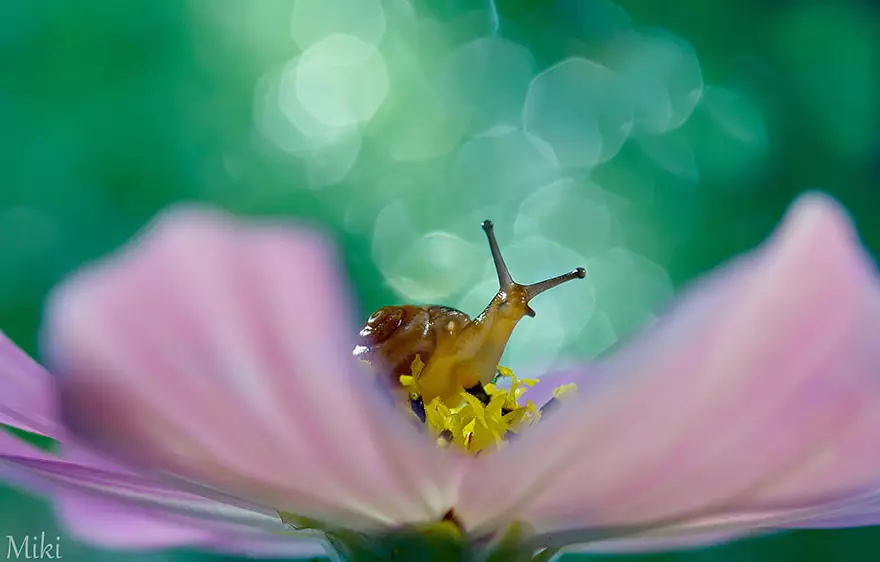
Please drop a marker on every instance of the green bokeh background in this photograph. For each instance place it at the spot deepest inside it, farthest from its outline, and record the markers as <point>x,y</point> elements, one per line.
<point>714,115</point>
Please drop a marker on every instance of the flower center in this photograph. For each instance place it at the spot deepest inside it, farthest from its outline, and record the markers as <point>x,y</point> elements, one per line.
<point>485,416</point>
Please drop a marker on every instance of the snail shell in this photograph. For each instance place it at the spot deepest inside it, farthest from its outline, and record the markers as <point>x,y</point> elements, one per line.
<point>394,335</point>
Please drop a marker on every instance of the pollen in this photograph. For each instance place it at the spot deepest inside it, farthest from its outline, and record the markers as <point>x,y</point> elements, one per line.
<point>477,423</point>
<point>565,391</point>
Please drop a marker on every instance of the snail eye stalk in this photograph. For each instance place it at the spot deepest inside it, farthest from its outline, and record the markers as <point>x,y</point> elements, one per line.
<point>506,282</point>
<point>504,278</point>
<point>536,289</point>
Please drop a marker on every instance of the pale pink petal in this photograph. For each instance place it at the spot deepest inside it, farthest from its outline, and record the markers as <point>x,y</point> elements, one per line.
<point>272,546</point>
<point>93,513</point>
<point>755,400</point>
<point>850,511</point>
<point>40,471</point>
<point>864,511</point>
<point>100,503</point>
<point>585,376</point>
<point>27,393</point>
<point>219,352</point>
<point>108,524</point>
<point>105,523</point>
<point>654,544</point>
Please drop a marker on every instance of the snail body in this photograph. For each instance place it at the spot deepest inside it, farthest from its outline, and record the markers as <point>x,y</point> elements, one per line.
<point>458,353</point>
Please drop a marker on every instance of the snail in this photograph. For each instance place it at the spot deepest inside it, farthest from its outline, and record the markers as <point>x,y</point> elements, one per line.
<point>458,353</point>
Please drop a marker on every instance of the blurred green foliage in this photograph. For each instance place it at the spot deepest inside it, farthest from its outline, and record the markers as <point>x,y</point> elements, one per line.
<point>674,140</point>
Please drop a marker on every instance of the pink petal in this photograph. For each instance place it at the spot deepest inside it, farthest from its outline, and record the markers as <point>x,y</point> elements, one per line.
<point>862,512</point>
<point>108,524</point>
<point>272,546</point>
<point>584,376</point>
<point>654,544</point>
<point>27,393</point>
<point>95,514</point>
<point>219,352</point>
<point>754,401</point>
<point>106,505</point>
<point>55,474</point>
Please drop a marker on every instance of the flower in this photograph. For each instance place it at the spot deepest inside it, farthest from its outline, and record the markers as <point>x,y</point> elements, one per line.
<point>206,384</point>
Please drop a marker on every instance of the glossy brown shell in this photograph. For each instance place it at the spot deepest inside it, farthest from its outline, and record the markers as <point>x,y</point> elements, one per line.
<point>394,335</point>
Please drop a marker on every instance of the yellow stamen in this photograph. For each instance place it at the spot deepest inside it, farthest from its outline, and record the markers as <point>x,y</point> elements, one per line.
<point>411,382</point>
<point>472,425</point>
<point>417,366</point>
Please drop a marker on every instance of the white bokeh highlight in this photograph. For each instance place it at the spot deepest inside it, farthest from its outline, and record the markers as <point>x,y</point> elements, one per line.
<point>314,20</point>
<point>630,289</point>
<point>486,80</point>
<point>421,267</point>
<point>502,166</point>
<point>661,77</point>
<point>331,163</point>
<point>424,124</point>
<point>579,108</point>
<point>281,119</point>
<point>327,153</point>
<point>341,80</point>
<point>574,213</point>
<point>672,153</point>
